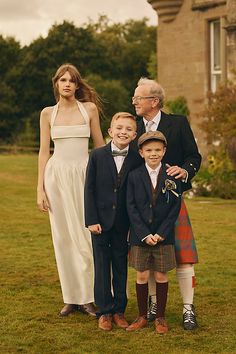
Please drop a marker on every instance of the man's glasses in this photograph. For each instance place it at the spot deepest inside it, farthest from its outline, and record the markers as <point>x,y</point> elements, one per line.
<point>140,98</point>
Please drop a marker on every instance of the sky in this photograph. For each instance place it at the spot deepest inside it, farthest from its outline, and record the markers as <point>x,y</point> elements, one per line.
<point>26,20</point>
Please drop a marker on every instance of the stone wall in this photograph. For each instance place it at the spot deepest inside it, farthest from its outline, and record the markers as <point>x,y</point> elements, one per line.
<point>183,54</point>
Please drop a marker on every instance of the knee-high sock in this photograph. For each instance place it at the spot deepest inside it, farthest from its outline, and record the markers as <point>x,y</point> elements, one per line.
<point>142,298</point>
<point>161,293</point>
<point>186,279</point>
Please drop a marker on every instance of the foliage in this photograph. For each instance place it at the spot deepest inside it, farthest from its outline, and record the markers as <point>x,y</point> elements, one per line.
<point>31,296</point>
<point>219,125</point>
<point>218,179</point>
<point>178,106</point>
<point>152,66</point>
<point>115,54</point>
<point>114,95</point>
<point>219,122</point>
<point>128,48</point>
<point>9,109</point>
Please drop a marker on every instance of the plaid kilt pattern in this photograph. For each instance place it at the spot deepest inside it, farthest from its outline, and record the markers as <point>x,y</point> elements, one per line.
<point>159,259</point>
<point>185,247</point>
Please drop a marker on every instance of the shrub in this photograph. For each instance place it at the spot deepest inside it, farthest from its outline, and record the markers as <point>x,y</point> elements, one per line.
<point>178,106</point>
<point>218,179</point>
<point>219,125</point>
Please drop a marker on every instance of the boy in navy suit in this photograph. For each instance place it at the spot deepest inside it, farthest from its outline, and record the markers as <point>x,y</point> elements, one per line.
<point>153,204</point>
<point>107,219</point>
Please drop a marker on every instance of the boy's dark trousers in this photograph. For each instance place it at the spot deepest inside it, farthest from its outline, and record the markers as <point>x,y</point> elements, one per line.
<point>110,250</point>
<point>105,204</point>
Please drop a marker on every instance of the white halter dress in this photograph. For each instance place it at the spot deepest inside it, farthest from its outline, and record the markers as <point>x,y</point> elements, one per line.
<point>64,185</point>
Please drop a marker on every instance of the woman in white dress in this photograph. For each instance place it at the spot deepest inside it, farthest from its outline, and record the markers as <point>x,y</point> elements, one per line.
<point>61,178</point>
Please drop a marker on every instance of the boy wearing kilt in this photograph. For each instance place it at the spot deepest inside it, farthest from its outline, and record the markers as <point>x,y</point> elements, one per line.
<point>184,160</point>
<point>153,205</point>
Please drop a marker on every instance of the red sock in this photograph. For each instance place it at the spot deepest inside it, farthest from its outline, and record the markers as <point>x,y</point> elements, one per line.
<point>161,292</point>
<point>142,298</point>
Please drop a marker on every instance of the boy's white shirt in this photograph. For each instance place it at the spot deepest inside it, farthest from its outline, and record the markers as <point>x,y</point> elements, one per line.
<point>153,175</point>
<point>118,159</point>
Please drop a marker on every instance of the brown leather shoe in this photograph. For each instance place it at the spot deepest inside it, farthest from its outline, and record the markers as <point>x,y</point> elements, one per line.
<point>161,325</point>
<point>105,322</point>
<point>67,309</point>
<point>120,321</point>
<point>88,309</point>
<point>140,322</point>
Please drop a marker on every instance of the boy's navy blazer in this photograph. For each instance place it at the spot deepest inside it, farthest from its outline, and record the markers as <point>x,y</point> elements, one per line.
<point>182,149</point>
<point>145,218</point>
<point>105,195</point>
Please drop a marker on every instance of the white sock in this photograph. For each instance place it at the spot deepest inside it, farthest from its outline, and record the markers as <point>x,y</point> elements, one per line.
<point>152,287</point>
<point>186,278</point>
<point>154,298</point>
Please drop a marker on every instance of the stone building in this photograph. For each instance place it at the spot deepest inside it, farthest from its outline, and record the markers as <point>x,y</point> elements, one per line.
<point>196,50</point>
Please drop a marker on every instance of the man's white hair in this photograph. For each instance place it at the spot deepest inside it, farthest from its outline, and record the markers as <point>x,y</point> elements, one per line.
<point>155,89</point>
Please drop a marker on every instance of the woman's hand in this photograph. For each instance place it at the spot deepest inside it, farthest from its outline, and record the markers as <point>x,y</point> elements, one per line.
<point>42,201</point>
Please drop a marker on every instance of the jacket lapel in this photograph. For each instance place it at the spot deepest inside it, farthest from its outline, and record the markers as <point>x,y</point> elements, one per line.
<point>164,125</point>
<point>127,166</point>
<point>111,162</point>
<point>146,180</point>
<point>162,180</point>
<point>140,126</point>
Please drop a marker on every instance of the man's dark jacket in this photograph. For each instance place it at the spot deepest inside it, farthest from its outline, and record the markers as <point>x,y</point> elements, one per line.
<point>182,149</point>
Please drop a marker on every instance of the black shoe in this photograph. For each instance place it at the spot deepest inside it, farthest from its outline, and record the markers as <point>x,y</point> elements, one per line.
<point>189,318</point>
<point>152,311</point>
<point>68,309</point>
<point>88,309</point>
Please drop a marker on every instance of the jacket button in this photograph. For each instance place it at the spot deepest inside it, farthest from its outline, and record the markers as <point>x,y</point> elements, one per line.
<point>150,221</point>
<point>150,206</point>
<point>115,190</point>
<point>113,207</point>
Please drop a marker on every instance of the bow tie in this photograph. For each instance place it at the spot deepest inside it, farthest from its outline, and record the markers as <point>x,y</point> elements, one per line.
<point>119,153</point>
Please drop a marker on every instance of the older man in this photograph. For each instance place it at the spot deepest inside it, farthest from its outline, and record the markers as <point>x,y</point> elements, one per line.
<point>184,161</point>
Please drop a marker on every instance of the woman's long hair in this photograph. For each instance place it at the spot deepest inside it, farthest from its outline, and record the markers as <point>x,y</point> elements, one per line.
<point>84,92</point>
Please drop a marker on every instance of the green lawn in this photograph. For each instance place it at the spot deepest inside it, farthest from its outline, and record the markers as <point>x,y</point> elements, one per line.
<point>30,291</point>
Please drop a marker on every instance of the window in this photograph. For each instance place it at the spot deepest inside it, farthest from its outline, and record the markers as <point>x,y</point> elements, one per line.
<point>215,54</point>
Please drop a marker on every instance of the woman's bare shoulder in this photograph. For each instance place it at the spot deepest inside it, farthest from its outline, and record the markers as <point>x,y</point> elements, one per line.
<point>90,106</point>
<point>47,110</point>
<point>46,113</point>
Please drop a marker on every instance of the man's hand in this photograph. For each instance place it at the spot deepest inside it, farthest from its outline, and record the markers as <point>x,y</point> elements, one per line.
<point>176,171</point>
<point>95,229</point>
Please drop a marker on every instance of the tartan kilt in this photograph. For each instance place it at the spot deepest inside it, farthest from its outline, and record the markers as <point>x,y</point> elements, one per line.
<point>159,258</point>
<point>185,247</point>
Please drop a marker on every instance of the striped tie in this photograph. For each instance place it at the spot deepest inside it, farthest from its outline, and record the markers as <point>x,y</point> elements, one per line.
<point>150,126</point>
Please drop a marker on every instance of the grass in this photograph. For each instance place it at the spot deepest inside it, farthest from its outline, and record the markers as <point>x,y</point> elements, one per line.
<point>30,290</point>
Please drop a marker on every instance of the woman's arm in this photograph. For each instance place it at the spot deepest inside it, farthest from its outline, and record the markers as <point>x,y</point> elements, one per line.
<point>44,154</point>
<point>95,125</point>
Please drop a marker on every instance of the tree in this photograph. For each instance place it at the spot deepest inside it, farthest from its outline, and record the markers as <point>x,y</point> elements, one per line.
<point>219,122</point>
<point>112,55</point>
<point>114,95</point>
<point>219,125</point>
<point>129,47</point>
<point>9,110</point>
<point>178,106</point>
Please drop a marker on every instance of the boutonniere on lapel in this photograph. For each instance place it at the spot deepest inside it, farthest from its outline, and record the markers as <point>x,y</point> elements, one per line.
<point>170,186</point>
